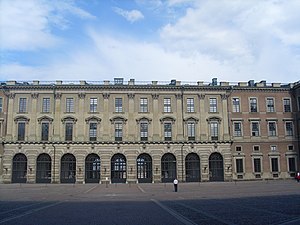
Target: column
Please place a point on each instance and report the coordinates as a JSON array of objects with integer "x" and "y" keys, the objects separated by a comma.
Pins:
[
  {"x": 57, "y": 118},
  {"x": 10, "y": 119},
  {"x": 155, "y": 124},
  {"x": 131, "y": 121},
  {"x": 179, "y": 119},
  {"x": 224, "y": 98},
  {"x": 33, "y": 120},
  {"x": 202, "y": 121},
  {"x": 106, "y": 135},
  {"x": 81, "y": 123}
]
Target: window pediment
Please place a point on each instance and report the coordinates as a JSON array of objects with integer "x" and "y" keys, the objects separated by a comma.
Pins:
[
  {"x": 143, "y": 119},
  {"x": 93, "y": 118},
  {"x": 118, "y": 118},
  {"x": 214, "y": 118},
  {"x": 21, "y": 118},
  {"x": 45, "y": 118},
  {"x": 191, "y": 118},
  {"x": 68, "y": 119},
  {"x": 167, "y": 119}
]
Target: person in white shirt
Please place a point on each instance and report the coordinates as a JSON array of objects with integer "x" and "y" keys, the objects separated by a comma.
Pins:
[{"x": 175, "y": 182}]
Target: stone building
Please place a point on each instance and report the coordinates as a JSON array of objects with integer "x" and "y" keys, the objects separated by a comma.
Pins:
[{"x": 148, "y": 132}]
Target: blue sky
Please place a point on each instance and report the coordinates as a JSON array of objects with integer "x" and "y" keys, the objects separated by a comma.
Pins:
[{"x": 187, "y": 40}]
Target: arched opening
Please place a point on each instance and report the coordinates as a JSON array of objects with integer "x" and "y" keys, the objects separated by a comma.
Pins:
[
  {"x": 192, "y": 168},
  {"x": 19, "y": 171},
  {"x": 92, "y": 168},
  {"x": 68, "y": 169},
  {"x": 144, "y": 168},
  {"x": 118, "y": 169},
  {"x": 43, "y": 168},
  {"x": 216, "y": 167},
  {"x": 168, "y": 167}
]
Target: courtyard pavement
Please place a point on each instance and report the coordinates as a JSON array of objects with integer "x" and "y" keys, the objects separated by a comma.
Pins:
[{"x": 251, "y": 202}]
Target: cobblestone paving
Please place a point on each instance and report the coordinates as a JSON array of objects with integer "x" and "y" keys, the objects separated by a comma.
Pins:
[{"x": 255, "y": 202}]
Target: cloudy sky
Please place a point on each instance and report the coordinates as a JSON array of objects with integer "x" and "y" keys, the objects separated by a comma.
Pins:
[{"x": 187, "y": 40}]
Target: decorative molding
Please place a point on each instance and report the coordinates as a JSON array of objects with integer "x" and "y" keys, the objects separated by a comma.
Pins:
[
  {"x": 21, "y": 118},
  {"x": 155, "y": 96},
  {"x": 201, "y": 96},
  {"x": 81, "y": 95},
  {"x": 45, "y": 118},
  {"x": 93, "y": 118},
  {"x": 131, "y": 95},
  {"x": 191, "y": 118},
  {"x": 11, "y": 95},
  {"x": 224, "y": 96},
  {"x": 178, "y": 96},
  {"x": 68, "y": 118},
  {"x": 57, "y": 95},
  {"x": 167, "y": 118},
  {"x": 118, "y": 118},
  {"x": 214, "y": 118},
  {"x": 143, "y": 119},
  {"x": 106, "y": 95},
  {"x": 34, "y": 95}
]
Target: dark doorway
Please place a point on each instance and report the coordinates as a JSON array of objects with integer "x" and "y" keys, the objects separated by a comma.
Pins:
[
  {"x": 118, "y": 169},
  {"x": 92, "y": 168},
  {"x": 43, "y": 168},
  {"x": 192, "y": 168},
  {"x": 19, "y": 171},
  {"x": 144, "y": 168},
  {"x": 216, "y": 167},
  {"x": 168, "y": 168},
  {"x": 68, "y": 169}
]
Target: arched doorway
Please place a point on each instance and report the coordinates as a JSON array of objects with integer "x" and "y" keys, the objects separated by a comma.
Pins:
[
  {"x": 144, "y": 168},
  {"x": 192, "y": 168},
  {"x": 92, "y": 168},
  {"x": 168, "y": 167},
  {"x": 19, "y": 170},
  {"x": 43, "y": 168},
  {"x": 118, "y": 169},
  {"x": 216, "y": 167},
  {"x": 68, "y": 169}
]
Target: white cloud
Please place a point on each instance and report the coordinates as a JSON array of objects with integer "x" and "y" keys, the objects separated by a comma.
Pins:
[
  {"x": 26, "y": 25},
  {"x": 132, "y": 16}
]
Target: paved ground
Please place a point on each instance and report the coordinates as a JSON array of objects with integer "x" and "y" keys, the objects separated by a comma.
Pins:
[{"x": 255, "y": 202}]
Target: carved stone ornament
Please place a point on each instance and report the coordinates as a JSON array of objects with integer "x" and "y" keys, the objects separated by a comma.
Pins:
[
  {"x": 11, "y": 95},
  {"x": 178, "y": 96},
  {"x": 131, "y": 95},
  {"x": 201, "y": 96},
  {"x": 81, "y": 95},
  {"x": 57, "y": 95},
  {"x": 106, "y": 95},
  {"x": 155, "y": 96},
  {"x": 34, "y": 95},
  {"x": 224, "y": 96}
]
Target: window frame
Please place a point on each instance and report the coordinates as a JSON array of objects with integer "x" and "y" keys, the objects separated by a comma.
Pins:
[
  {"x": 270, "y": 105},
  {"x": 190, "y": 105},
  {"x": 93, "y": 104},
  {"x": 213, "y": 105},
  {"x": 118, "y": 105},
  {"x": 253, "y": 105},
  {"x": 167, "y": 131},
  {"x": 45, "y": 133},
  {"x": 272, "y": 130},
  {"x": 256, "y": 131},
  {"x": 235, "y": 132},
  {"x": 290, "y": 132},
  {"x": 144, "y": 105},
  {"x": 93, "y": 131},
  {"x": 46, "y": 105},
  {"x": 70, "y": 105},
  {"x": 167, "y": 105},
  {"x": 22, "y": 105},
  {"x": 287, "y": 107},
  {"x": 236, "y": 105}
]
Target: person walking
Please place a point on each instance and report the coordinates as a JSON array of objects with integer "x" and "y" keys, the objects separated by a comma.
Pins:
[{"x": 175, "y": 182}]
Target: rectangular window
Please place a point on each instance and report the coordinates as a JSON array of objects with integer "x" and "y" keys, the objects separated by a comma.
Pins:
[
  {"x": 287, "y": 105},
  {"x": 253, "y": 105},
  {"x": 257, "y": 165},
  {"x": 292, "y": 164},
  {"x": 291, "y": 147},
  {"x": 1, "y": 104},
  {"x": 190, "y": 105},
  {"x": 143, "y": 105},
  {"x": 22, "y": 105},
  {"x": 21, "y": 131},
  {"x": 144, "y": 131},
  {"x": 239, "y": 166},
  {"x": 69, "y": 105},
  {"x": 118, "y": 131},
  {"x": 238, "y": 148},
  {"x": 93, "y": 104},
  {"x": 235, "y": 105},
  {"x": 274, "y": 164},
  {"x": 255, "y": 129},
  {"x": 237, "y": 129},
  {"x": 167, "y": 105},
  {"x": 272, "y": 129},
  {"x": 118, "y": 105},
  {"x": 273, "y": 148},
  {"x": 212, "y": 105},
  {"x": 93, "y": 132},
  {"x": 289, "y": 129},
  {"x": 270, "y": 105},
  {"x": 168, "y": 131},
  {"x": 256, "y": 148},
  {"x": 69, "y": 131},
  {"x": 45, "y": 131},
  {"x": 191, "y": 131},
  {"x": 46, "y": 105},
  {"x": 214, "y": 131}
]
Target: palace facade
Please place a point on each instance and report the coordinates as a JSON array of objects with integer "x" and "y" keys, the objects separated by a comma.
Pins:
[{"x": 117, "y": 132}]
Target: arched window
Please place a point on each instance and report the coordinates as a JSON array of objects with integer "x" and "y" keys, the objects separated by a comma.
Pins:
[
  {"x": 68, "y": 169},
  {"x": 168, "y": 167},
  {"x": 192, "y": 168},
  {"x": 216, "y": 167},
  {"x": 144, "y": 168},
  {"x": 43, "y": 168},
  {"x": 92, "y": 168},
  {"x": 118, "y": 169},
  {"x": 19, "y": 171}
]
